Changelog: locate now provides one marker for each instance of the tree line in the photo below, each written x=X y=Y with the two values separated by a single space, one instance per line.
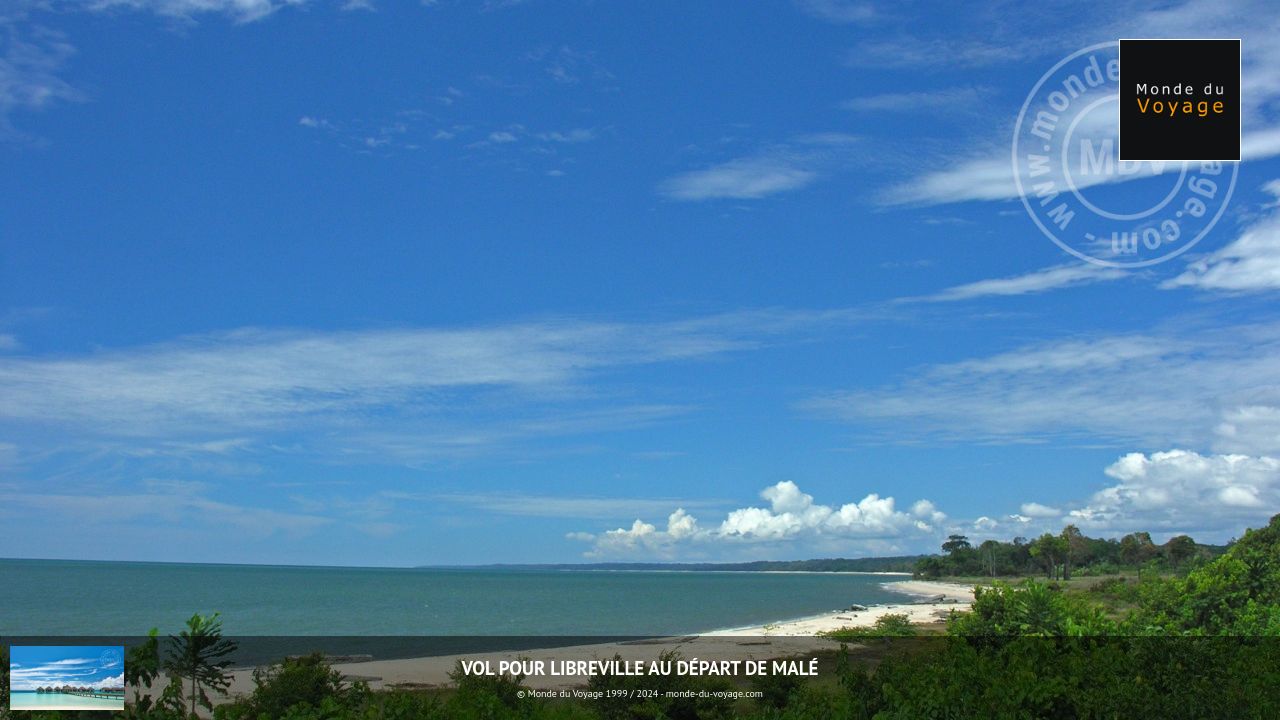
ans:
x=1059 y=556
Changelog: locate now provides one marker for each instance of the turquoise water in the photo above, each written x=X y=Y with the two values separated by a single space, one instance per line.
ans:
x=40 y=597
x=21 y=700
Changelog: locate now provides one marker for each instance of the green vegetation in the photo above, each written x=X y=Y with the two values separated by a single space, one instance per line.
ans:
x=1201 y=645
x=1060 y=556
x=886 y=626
x=198 y=655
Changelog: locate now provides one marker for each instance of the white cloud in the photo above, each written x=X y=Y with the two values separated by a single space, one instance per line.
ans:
x=949 y=99
x=30 y=59
x=791 y=514
x=174 y=503
x=1249 y=263
x=416 y=394
x=988 y=175
x=778 y=169
x=1201 y=386
x=1050 y=278
x=576 y=135
x=744 y=178
x=1184 y=491
x=502 y=136
x=562 y=506
x=838 y=11
x=952 y=52
x=239 y=10
x=1036 y=510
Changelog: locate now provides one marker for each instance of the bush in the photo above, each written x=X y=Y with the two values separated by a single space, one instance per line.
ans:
x=303 y=682
x=1031 y=609
x=891 y=625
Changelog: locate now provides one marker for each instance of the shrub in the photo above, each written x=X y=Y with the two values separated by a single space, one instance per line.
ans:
x=890 y=625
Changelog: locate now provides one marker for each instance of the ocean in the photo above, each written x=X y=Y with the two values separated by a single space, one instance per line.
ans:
x=54 y=597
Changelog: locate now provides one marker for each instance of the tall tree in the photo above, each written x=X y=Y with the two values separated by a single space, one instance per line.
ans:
x=1074 y=546
x=956 y=544
x=1180 y=548
x=1136 y=548
x=198 y=655
x=1049 y=549
x=988 y=550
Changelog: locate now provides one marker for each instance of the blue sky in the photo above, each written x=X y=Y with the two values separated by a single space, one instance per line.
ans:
x=36 y=666
x=379 y=283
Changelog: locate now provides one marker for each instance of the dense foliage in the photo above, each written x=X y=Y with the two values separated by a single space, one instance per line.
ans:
x=1201 y=645
x=1062 y=555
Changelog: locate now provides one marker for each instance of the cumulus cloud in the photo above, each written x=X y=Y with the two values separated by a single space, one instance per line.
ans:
x=791 y=514
x=1184 y=491
x=1036 y=510
x=984 y=524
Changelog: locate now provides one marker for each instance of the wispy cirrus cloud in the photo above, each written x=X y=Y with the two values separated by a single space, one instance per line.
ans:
x=1250 y=263
x=31 y=58
x=238 y=10
x=167 y=503
x=951 y=100
x=433 y=388
x=915 y=52
x=742 y=178
x=1215 y=387
x=988 y=175
x=1051 y=278
x=566 y=506
x=838 y=11
x=778 y=169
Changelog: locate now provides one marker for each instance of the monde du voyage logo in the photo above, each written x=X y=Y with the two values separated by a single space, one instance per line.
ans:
x=1130 y=164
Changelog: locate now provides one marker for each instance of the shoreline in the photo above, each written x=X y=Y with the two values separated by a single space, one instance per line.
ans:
x=953 y=596
x=787 y=638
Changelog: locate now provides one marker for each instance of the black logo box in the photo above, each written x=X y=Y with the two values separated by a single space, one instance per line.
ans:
x=1181 y=65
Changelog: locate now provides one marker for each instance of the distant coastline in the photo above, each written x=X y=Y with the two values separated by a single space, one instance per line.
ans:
x=896 y=564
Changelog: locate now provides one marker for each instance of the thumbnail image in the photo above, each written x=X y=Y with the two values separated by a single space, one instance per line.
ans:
x=66 y=677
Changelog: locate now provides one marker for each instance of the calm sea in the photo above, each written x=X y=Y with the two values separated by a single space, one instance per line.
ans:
x=21 y=700
x=40 y=597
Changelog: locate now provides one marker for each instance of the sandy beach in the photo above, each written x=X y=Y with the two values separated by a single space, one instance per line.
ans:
x=934 y=601
x=947 y=597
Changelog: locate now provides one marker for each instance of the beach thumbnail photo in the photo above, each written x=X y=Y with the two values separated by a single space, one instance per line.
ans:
x=66 y=677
